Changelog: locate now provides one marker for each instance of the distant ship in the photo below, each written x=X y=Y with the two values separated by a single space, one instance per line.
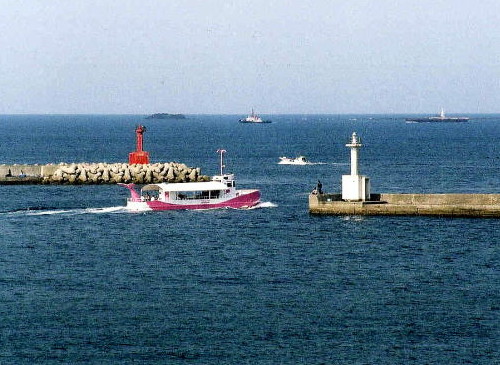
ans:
x=438 y=119
x=254 y=118
x=166 y=116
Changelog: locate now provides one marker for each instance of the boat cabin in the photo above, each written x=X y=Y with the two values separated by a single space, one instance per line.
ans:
x=221 y=186
x=226 y=179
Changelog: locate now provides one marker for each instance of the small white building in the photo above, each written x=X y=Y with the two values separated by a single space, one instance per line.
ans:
x=355 y=187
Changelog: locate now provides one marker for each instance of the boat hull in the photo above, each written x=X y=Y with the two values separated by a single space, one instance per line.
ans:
x=254 y=122
x=244 y=199
x=291 y=163
x=428 y=120
x=441 y=118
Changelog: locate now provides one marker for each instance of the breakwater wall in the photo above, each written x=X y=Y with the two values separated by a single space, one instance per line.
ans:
x=452 y=205
x=99 y=173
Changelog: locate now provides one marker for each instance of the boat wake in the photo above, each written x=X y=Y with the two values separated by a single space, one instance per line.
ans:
x=264 y=205
x=316 y=163
x=37 y=211
x=303 y=164
x=47 y=211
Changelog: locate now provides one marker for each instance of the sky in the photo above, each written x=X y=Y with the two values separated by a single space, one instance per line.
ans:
x=229 y=56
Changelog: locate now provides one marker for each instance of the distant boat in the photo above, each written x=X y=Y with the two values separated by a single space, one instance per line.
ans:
x=166 y=116
x=254 y=118
x=300 y=160
x=438 y=119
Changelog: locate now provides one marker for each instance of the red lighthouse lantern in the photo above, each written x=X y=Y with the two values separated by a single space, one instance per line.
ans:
x=139 y=156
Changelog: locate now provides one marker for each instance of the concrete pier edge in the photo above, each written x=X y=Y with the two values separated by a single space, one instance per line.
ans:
x=445 y=205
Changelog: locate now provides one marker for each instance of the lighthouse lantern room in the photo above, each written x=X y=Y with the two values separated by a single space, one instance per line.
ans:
x=139 y=156
x=355 y=187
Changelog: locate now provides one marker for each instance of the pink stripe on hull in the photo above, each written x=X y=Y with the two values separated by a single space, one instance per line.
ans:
x=246 y=200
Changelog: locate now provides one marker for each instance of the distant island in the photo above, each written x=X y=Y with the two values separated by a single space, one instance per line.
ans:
x=166 y=116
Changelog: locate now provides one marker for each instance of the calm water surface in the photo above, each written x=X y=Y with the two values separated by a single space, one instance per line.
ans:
x=84 y=281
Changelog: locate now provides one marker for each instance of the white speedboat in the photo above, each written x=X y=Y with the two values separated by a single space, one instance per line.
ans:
x=300 y=160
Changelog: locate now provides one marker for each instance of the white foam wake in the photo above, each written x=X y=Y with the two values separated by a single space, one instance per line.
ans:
x=43 y=212
x=105 y=210
x=71 y=211
x=265 y=205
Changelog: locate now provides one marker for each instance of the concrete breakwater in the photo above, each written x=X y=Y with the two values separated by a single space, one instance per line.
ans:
x=450 y=205
x=356 y=198
x=99 y=173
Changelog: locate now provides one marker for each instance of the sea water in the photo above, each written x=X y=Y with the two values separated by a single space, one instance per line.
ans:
x=82 y=280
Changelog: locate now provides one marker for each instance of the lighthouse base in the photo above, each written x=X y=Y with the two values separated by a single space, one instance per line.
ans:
x=137 y=157
x=355 y=188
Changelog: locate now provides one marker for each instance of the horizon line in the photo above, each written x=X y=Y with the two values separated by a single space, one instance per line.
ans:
x=231 y=114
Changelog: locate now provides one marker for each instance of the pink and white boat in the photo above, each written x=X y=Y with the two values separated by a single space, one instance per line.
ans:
x=220 y=192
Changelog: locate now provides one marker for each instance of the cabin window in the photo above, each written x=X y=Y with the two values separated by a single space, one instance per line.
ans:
x=150 y=195
x=192 y=195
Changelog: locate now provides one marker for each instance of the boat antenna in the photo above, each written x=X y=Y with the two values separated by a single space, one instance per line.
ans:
x=221 y=160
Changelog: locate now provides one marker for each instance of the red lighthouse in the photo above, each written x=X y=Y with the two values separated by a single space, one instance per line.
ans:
x=139 y=156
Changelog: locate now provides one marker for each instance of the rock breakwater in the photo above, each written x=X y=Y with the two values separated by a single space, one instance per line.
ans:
x=102 y=173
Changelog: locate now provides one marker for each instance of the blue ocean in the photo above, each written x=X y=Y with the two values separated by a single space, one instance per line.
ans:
x=83 y=281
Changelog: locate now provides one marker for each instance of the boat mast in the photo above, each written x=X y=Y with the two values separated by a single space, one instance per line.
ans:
x=221 y=160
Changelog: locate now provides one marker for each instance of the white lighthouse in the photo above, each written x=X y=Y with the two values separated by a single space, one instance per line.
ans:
x=355 y=187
